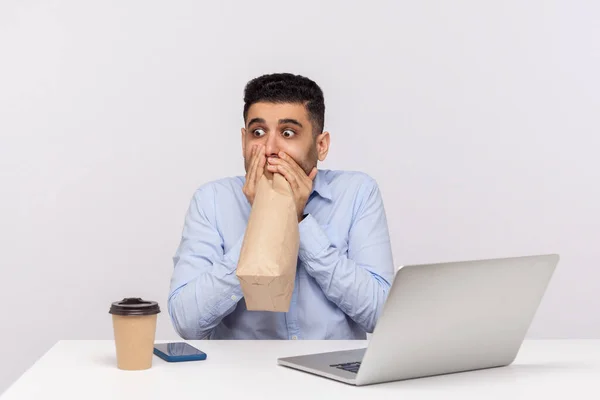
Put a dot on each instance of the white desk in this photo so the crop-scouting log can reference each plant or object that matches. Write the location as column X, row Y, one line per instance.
column 240, row 370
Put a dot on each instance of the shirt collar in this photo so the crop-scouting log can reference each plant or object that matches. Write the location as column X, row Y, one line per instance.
column 320, row 186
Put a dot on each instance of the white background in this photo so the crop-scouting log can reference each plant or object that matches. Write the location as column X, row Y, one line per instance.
column 479, row 120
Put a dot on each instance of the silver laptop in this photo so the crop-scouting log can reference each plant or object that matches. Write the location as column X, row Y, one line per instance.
column 443, row 318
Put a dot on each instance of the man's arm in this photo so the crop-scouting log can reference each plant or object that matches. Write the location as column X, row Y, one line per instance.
column 358, row 283
column 204, row 287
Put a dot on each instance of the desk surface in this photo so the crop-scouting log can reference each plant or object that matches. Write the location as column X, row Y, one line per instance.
column 241, row 370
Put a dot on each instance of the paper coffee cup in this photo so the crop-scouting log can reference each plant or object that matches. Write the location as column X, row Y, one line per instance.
column 134, row 324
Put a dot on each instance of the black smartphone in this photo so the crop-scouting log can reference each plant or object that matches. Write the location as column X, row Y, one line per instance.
column 178, row 351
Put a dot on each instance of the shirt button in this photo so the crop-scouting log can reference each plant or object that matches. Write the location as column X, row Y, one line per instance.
column 234, row 297
column 294, row 337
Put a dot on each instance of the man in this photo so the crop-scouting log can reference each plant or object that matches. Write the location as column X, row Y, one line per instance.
column 345, row 262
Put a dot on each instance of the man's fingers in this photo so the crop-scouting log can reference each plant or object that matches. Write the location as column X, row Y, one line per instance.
column 260, row 169
column 253, row 164
column 251, row 167
column 284, row 156
column 302, row 178
column 260, row 163
column 287, row 173
column 281, row 165
column 301, row 174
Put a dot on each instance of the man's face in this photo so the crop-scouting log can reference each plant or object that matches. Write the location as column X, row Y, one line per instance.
column 282, row 127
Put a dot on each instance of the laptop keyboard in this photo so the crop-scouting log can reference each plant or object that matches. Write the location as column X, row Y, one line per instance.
column 350, row 367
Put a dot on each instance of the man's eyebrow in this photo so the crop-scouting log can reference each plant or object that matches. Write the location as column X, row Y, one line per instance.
column 256, row 121
column 290, row 121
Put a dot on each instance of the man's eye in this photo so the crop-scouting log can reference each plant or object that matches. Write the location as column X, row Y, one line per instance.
column 288, row 133
column 258, row 132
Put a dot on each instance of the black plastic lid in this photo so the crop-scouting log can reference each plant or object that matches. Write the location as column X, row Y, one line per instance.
column 134, row 306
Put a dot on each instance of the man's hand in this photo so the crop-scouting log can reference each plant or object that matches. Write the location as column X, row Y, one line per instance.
column 300, row 182
column 255, row 171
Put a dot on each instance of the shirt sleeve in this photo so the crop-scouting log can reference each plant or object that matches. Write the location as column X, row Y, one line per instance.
column 357, row 282
column 204, row 286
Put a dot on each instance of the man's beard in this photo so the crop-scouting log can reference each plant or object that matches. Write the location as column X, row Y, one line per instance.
column 310, row 161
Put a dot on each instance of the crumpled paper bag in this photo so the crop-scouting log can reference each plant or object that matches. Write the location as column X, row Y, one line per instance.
column 267, row 264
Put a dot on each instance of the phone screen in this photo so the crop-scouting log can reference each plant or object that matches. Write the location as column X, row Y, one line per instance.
column 178, row 349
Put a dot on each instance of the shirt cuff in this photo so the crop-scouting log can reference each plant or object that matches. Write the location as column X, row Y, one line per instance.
column 313, row 240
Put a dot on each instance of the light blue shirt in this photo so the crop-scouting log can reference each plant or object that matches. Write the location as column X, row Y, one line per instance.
column 343, row 273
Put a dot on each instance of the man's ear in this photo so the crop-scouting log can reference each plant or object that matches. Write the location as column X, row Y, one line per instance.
column 243, row 142
column 322, row 143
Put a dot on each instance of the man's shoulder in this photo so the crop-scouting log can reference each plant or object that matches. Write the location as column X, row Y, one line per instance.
column 348, row 180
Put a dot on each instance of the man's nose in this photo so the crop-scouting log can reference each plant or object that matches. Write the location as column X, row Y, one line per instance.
column 271, row 146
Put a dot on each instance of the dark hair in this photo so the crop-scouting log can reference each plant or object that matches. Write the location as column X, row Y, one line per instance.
column 287, row 88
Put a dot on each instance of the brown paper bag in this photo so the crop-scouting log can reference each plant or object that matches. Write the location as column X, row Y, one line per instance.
column 267, row 265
